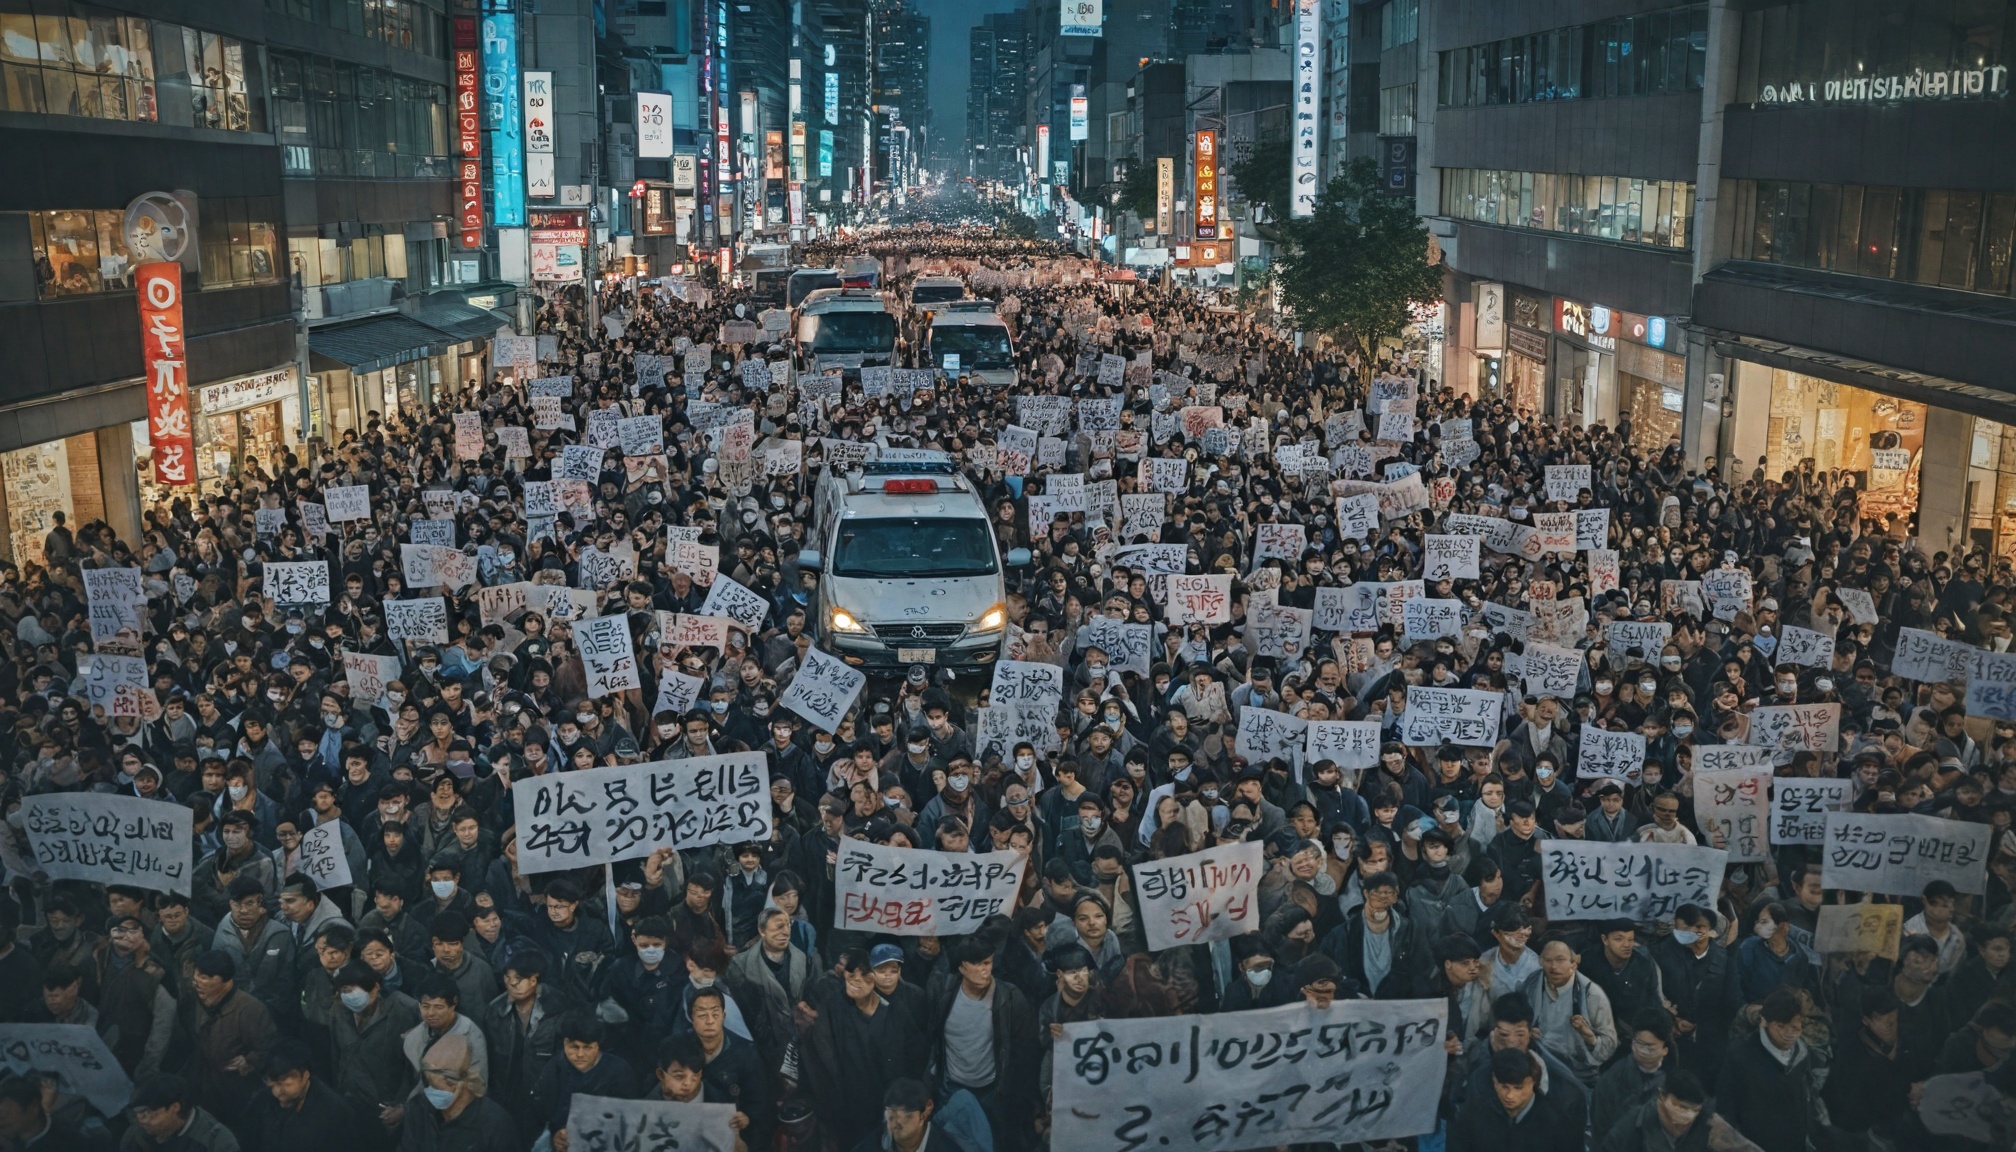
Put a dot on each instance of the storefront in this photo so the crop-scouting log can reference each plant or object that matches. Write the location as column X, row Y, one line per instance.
column 1991, row 488
column 1528, row 322
column 1583, row 367
column 388, row 367
column 89, row 476
column 1790, row 422
column 252, row 418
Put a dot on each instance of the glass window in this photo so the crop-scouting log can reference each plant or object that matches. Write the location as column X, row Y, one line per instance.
column 68, row 244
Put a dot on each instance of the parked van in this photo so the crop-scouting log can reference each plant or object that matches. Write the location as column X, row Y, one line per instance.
column 981, row 341
column 845, row 328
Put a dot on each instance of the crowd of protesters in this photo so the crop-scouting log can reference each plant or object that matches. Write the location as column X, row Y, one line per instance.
column 445, row 1001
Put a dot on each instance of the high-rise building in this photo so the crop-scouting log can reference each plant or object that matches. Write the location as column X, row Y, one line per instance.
column 902, row 102
column 997, row 59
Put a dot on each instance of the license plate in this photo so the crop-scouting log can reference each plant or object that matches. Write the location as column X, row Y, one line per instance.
column 916, row 655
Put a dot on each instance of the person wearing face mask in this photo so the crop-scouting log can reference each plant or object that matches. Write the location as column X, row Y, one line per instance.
column 958, row 798
column 238, row 855
column 1680, row 1116
column 367, row 1030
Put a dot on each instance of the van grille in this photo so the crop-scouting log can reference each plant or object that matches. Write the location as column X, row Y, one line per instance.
column 919, row 633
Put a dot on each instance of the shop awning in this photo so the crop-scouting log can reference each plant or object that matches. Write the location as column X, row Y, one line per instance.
column 1973, row 399
column 379, row 342
column 460, row 321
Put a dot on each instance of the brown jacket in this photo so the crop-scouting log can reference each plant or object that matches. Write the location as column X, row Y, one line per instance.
column 238, row 1026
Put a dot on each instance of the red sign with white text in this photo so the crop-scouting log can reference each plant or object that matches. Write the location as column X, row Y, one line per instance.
column 164, row 353
column 468, row 133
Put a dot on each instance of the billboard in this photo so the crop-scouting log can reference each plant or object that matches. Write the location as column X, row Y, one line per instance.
column 1081, row 17
column 164, row 354
column 1206, row 198
column 1308, row 96
column 825, row 152
column 654, row 125
column 503, row 118
column 1165, row 195
column 1080, row 113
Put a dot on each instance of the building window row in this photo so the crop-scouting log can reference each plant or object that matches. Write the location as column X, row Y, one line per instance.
column 1867, row 51
column 338, row 119
column 1399, row 23
column 408, row 24
column 1643, row 55
column 1948, row 238
column 1654, row 212
column 64, row 59
column 79, row 252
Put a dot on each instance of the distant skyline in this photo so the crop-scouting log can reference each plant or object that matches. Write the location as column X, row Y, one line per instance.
column 951, row 22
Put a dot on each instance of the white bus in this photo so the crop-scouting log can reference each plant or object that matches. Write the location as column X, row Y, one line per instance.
column 845, row 328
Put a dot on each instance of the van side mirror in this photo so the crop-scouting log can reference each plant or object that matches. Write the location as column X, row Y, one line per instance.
column 1017, row 558
column 809, row 560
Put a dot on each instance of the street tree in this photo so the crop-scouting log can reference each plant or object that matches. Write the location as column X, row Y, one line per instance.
column 1351, row 269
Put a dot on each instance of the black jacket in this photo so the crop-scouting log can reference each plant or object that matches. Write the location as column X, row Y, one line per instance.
column 1769, row 1102
column 325, row 1122
column 850, row 1060
column 1482, row 1125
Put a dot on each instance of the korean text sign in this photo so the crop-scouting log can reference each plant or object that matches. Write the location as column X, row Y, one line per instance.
column 1593, row 881
column 920, row 892
column 602, row 815
column 1359, row 1070
column 164, row 356
column 110, row 839
column 1201, row 897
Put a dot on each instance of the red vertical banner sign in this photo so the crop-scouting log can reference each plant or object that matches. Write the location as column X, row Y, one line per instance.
column 1207, row 186
column 164, row 353
column 468, row 133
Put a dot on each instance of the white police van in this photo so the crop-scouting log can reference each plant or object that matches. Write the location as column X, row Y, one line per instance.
column 909, row 574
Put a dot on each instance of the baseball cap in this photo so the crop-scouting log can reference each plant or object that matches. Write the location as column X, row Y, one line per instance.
column 884, row 954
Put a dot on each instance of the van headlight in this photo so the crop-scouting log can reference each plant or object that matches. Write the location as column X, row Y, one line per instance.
column 992, row 620
column 842, row 620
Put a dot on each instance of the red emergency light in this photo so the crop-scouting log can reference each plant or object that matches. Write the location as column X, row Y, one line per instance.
column 910, row 487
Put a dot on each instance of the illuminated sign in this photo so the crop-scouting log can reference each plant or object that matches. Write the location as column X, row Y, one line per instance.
column 1302, row 192
column 1080, row 113
column 468, row 133
column 502, row 116
column 1207, row 186
column 654, row 125
column 164, row 357
column 1081, row 17
column 1165, row 195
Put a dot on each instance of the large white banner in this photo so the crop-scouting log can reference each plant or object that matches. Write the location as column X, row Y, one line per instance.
column 572, row 819
column 823, row 690
column 110, row 839
column 1585, row 880
column 922, row 892
column 611, row 1124
column 654, row 125
column 1893, row 855
column 1205, row 896
column 1361, row 1070
column 1452, row 715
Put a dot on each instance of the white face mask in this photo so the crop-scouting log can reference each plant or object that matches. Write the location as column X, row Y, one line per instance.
column 958, row 783
column 1091, row 823
column 237, row 791
column 1603, row 687
column 1025, row 763
column 443, row 889
column 356, row 999
column 1765, row 929
column 651, row 955
column 1258, row 977
column 1685, row 938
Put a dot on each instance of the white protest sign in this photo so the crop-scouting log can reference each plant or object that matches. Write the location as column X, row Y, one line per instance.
column 1931, row 658
column 1861, row 606
column 602, row 815
column 1426, row 619
column 677, row 693
column 1991, row 685
column 1126, row 645
column 1205, row 896
column 1589, row 880
column 468, row 435
column 1360, row 1070
column 1898, row 855
column 322, row 856
column 607, row 655
column 1357, row 516
column 421, row 621
column 1789, row 728
column 1448, row 557
column 728, row 598
column 921, row 892
column 347, row 502
column 1435, row 716
column 1799, row 807
column 1019, row 683
column 1967, row 1105
column 1876, row 928
column 1265, row 734
column 109, row 839
column 74, row 1055
column 1604, row 754
column 1733, row 809
column 1804, row 647
column 368, row 673
column 1566, row 481
column 678, row 630
column 1551, row 671
column 1727, row 591
column 440, row 533
column 1203, row 599
column 1353, row 744
column 823, row 690
column 306, row 582
column 611, row 1124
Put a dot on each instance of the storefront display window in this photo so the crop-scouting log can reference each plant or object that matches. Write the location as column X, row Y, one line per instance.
column 1651, row 387
column 1838, row 428
column 1991, row 488
column 1654, row 212
column 79, row 252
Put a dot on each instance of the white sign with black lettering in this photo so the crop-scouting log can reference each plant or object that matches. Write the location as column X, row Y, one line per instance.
column 322, row 856
column 107, row 839
column 1353, row 744
column 1566, row 481
column 607, row 655
column 1435, row 716
column 305, row 582
column 612, row 1124
column 421, row 621
column 1800, row 804
column 602, row 815
column 920, row 891
column 1610, row 755
column 74, row 1056
column 1733, row 810
column 1591, row 880
column 823, row 690
column 347, row 502
column 1898, row 855
column 1202, row 897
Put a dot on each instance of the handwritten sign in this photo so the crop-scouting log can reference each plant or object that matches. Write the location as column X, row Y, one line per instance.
column 1733, row 809
column 1566, row 481
column 1435, row 716
column 1790, row 728
column 1200, row 599
column 367, row 674
column 729, row 598
column 1449, row 557
column 1804, row 647
column 1205, row 896
column 74, row 1055
column 347, row 502
column 602, row 815
column 322, row 856
column 1897, row 855
column 921, row 892
column 610, row 1124
column 1587, row 880
column 1931, row 658
column 823, row 690
column 1353, row 744
column 422, row 621
column 1604, row 754
column 1799, row 807
column 1360, row 1070
column 305, row 582
column 109, row 839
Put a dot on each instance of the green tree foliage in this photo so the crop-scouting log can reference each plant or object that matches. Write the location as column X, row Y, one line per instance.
column 1353, row 267
column 1137, row 192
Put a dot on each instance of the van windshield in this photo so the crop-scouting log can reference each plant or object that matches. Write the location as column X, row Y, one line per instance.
column 980, row 346
column 913, row 547
column 803, row 284
column 936, row 293
column 845, row 332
